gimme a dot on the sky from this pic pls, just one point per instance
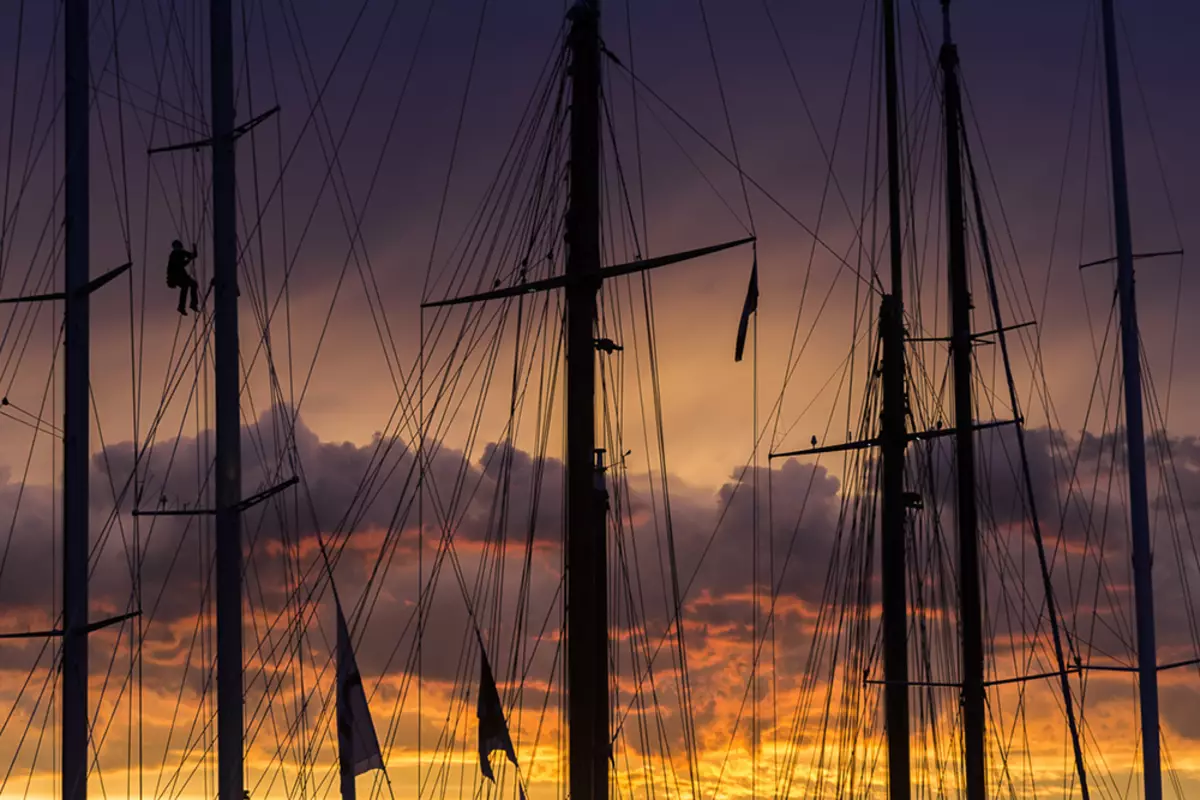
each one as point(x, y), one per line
point(421, 103)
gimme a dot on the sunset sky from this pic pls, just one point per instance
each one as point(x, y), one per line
point(421, 102)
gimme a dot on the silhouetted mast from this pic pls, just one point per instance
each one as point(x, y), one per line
point(227, 384)
point(967, 516)
point(227, 389)
point(76, 369)
point(590, 741)
point(587, 557)
point(1135, 437)
point(893, 442)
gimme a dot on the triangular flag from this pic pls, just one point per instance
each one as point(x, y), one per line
point(493, 730)
point(748, 308)
point(358, 749)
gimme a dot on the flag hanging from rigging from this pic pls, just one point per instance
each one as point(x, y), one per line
point(358, 748)
point(493, 730)
point(748, 308)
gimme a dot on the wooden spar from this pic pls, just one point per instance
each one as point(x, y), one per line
point(1135, 437)
point(893, 442)
point(227, 383)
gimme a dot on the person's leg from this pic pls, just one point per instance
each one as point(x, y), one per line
point(182, 297)
point(192, 285)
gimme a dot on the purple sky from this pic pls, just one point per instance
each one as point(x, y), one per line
point(1030, 70)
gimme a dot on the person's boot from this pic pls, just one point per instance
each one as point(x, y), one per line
point(181, 311)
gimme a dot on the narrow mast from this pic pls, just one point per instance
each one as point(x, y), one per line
point(75, 412)
point(893, 441)
point(971, 607)
point(228, 415)
point(589, 744)
point(1135, 438)
point(587, 559)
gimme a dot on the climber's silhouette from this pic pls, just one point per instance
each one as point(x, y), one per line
point(177, 275)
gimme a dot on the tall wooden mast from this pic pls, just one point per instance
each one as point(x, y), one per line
point(586, 547)
point(587, 556)
point(75, 756)
point(967, 515)
point(227, 372)
point(1135, 436)
point(893, 442)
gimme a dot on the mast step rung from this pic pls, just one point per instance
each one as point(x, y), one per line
point(91, 627)
point(912, 437)
point(244, 505)
point(174, 512)
point(1136, 257)
point(1003, 329)
point(1039, 676)
point(998, 682)
point(615, 271)
point(88, 288)
point(107, 277)
point(976, 337)
point(833, 448)
point(238, 132)
point(32, 634)
point(915, 684)
point(1191, 662)
point(982, 426)
point(266, 494)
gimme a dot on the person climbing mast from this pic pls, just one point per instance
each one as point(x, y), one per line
point(178, 276)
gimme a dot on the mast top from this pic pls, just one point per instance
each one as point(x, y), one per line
point(584, 8)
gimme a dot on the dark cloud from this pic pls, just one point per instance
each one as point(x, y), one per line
point(1181, 707)
point(510, 495)
point(29, 523)
point(477, 569)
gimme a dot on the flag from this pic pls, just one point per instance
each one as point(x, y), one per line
point(493, 730)
point(750, 307)
point(358, 749)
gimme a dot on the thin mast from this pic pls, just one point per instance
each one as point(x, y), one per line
point(1027, 480)
point(971, 606)
point(893, 440)
point(228, 416)
point(75, 408)
point(587, 560)
point(589, 741)
point(1135, 438)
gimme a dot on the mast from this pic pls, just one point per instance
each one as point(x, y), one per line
point(893, 441)
point(971, 606)
point(1135, 438)
point(587, 558)
point(228, 417)
point(589, 744)
point(75, 408)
